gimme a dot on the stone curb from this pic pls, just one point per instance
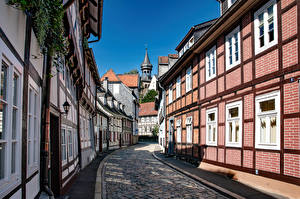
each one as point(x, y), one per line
point(99, 184)
point(201, 180)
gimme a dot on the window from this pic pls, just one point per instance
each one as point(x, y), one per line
point(233, 52)
point(211, 126)
point(188, 81)
point(231, 2)
point(191, 42)
point(178, 85)
point(211, 63)
point(234, 124)
point(267, 109)
point(63, 145)
point(178, 130)
point(10, 123)
point(265, 26)
point(181, 52)
point(70, 144)
point(143, 119)
point(189, 129)
point(33, 127)
point(170, 94)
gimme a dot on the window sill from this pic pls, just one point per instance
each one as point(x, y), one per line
point(211, 144)
point(274, 147)
point(236, 145)
point(6, 186)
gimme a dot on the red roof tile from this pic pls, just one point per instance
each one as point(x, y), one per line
point(130, 80)
point(147, 109)
point(112, 77)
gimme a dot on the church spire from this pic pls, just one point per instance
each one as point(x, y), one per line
point(146, 62)
point(146, 68)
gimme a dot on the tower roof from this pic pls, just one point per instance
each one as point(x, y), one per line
point(146, 63)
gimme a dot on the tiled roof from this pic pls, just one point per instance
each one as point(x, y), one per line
point(174, 56)
point(130, 80)
point(163, 59)
point(112, 77)
point(147, 109)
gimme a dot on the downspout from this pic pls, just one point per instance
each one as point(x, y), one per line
point(46, 124)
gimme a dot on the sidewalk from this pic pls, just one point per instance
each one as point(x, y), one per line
point(84, 185)
point(220, 183)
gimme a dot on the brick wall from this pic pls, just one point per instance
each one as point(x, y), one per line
point(267, 161)
point(248, 159)
point(292, 165)
point(233, 156)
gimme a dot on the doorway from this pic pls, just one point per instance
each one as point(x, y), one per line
point(54, 171)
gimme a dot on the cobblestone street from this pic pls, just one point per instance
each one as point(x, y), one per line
point(135, 173)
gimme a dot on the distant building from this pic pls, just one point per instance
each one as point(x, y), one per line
point(146, 68)
point(127, 94)
point(147, 118)
point(165, 63)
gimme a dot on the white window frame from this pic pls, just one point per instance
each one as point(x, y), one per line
point(65, 138)
point(208, 123)
point(188, 79)
point(189, 129)
point(264, 10)
point(10, 181)
point(70, 145)
point(230, 3)
point(211, 59)
point(178, 130)
point(181, 52)
point(170, 94)
point(178, 87)
point(231, 38)
point(238, 105)
point(33, 134)
point(258, 114)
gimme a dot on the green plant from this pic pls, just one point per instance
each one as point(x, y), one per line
point(48, 26)
point(134, 71)
point(155, 131)
point(150, 96)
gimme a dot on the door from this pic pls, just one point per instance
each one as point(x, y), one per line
point(54, 171)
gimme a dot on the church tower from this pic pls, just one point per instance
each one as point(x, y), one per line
point(146, 68)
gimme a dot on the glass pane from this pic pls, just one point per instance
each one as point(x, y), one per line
point(63, 136)
point(271, 35)
point(233, 112)
point(29, 152)
point(3, 81)
point(273, 129)
point(13, 157)
point(15, 89)
point(214, 134)
point(63, 151)
point(268, 105)
point(34, 151)
point(209, 133)
point(35, 105)
point(270, 11)
point(261, 18)
point(237, 131)
point(2, 119)
point(14, 123)
point(230, 131)
point(211, 117)
point(2, 160)
point(30, 102)
point(263, 130)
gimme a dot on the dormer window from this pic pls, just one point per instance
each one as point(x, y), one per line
point(230, 3)
point(191, 42)
point(181, 52)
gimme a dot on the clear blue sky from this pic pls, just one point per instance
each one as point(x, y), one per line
point(161, 24)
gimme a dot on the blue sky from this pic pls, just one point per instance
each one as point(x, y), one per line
point(161, 24)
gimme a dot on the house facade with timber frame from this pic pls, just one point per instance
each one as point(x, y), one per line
point(232, 98)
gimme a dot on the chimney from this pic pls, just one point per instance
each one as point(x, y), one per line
point(105, 84)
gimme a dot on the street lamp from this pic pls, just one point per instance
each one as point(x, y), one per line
point(66, 106)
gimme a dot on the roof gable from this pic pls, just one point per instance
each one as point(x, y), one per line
point(111, 75)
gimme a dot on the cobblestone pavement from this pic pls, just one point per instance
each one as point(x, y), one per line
point(134, 173)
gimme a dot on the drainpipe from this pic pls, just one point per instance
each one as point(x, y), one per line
point(46, 124)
